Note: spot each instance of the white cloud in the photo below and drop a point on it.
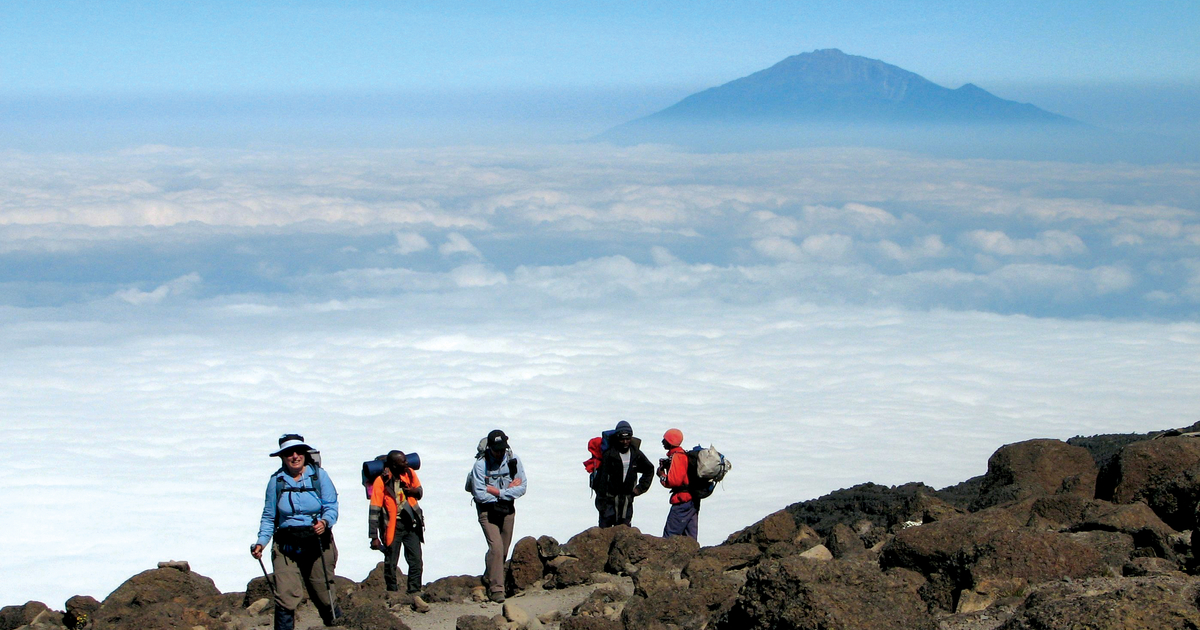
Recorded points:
(778, 248)
(1053, 243)
(830, 247)
(176, 287)
(929, 246)
(410, 242)
(458, 244)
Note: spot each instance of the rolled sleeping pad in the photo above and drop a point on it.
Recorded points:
(414, 460)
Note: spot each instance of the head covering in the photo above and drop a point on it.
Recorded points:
(623, 430)
(288, 441)
(674, 437)
(496, 440)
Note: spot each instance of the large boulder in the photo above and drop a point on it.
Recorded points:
(633, 550)
(678, 607)
(591, 547)
(1162, 472)
(1158, 602)
(371, 614)
(12, 617)
(1036, 468)
(713, 561)
(160, 598)
(455, 588)
(969, 552)
(525, 567)
(80, 610)
(802, 594)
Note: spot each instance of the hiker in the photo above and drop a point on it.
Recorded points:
(497, 480)
(395, 521)
(299, 513)
(620, 465)
(683, 518)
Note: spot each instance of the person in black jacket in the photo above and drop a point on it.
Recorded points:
(615, 484)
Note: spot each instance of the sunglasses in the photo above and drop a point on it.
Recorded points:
(293, 452)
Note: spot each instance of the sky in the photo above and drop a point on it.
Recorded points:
(373, 223)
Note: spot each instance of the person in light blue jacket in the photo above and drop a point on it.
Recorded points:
(497, 481)
(299, 512)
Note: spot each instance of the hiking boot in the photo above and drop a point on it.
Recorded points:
(419, 604)
(496, 596)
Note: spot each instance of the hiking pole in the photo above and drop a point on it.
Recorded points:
(325, 572)
(268, 578)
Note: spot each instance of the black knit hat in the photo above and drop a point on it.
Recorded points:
(496, 440)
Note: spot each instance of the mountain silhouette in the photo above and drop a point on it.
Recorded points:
(827, 86)
(827, 98)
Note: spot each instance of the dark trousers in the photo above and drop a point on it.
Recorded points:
(410, 541)
(683, 520)
(615, 509)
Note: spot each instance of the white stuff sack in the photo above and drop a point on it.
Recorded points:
(711, 465)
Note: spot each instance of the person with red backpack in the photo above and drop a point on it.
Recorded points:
(620, 465)
(684, 516)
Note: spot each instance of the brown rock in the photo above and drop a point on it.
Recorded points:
(1161, 472)
(591, 623)
(1138, 567)
(677, 608)
(591, 547)
(844, 542)
(12, 617)
(548, 548)
(256, 589)
(1161, 603)
(525, 567)
(160, 598)
(80, 610)
(1114, 548)
(777, 527)
(960, 553)
(608, 596)
(456, 588)
(802, 594)
(371, 614)
(631, 548)
(565, 571)
(475, 622)
(1036, 468)
(374, 581)
(713, 561)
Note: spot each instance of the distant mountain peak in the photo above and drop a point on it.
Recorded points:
(829, 86)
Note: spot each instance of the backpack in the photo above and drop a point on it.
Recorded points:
(372, 468)
(706, 468)
(597, 447)
(469, 486)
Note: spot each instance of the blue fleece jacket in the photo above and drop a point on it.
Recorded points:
(484, 475)
(297, 509)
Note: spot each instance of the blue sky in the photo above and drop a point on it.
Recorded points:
(221, 47)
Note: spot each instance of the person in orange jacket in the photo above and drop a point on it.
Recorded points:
(395, 521)
(684, 517)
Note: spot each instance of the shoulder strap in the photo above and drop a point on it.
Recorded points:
(512, 467)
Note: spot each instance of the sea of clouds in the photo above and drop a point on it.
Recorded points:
(825, 317)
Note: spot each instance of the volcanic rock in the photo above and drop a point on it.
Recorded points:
(160, 598)
(456, 588)
(1165, 473)
(525, 567)
(591, 547)
(961, 553)
(630, 547)
(807, 595)
(12, 617)
(80, 610)
(1036, 468)
(1160, 602)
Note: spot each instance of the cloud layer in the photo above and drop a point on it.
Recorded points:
(824, 317)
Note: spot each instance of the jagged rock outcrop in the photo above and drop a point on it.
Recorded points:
(1160, 602)
(631, 548)
(811, 595)
(1165, 473)
(969, 552)
(455, 588)
(30, 614)
(162, 598)
(1036, 468)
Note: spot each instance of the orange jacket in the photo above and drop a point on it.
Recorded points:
(677, 476)
(385, 502)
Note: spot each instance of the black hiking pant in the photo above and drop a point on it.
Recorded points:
(615, 509)
(410, 541)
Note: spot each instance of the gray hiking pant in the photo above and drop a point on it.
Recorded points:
(297, 568)
(498, 531)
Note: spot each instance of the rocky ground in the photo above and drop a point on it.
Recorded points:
(1091, 533)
